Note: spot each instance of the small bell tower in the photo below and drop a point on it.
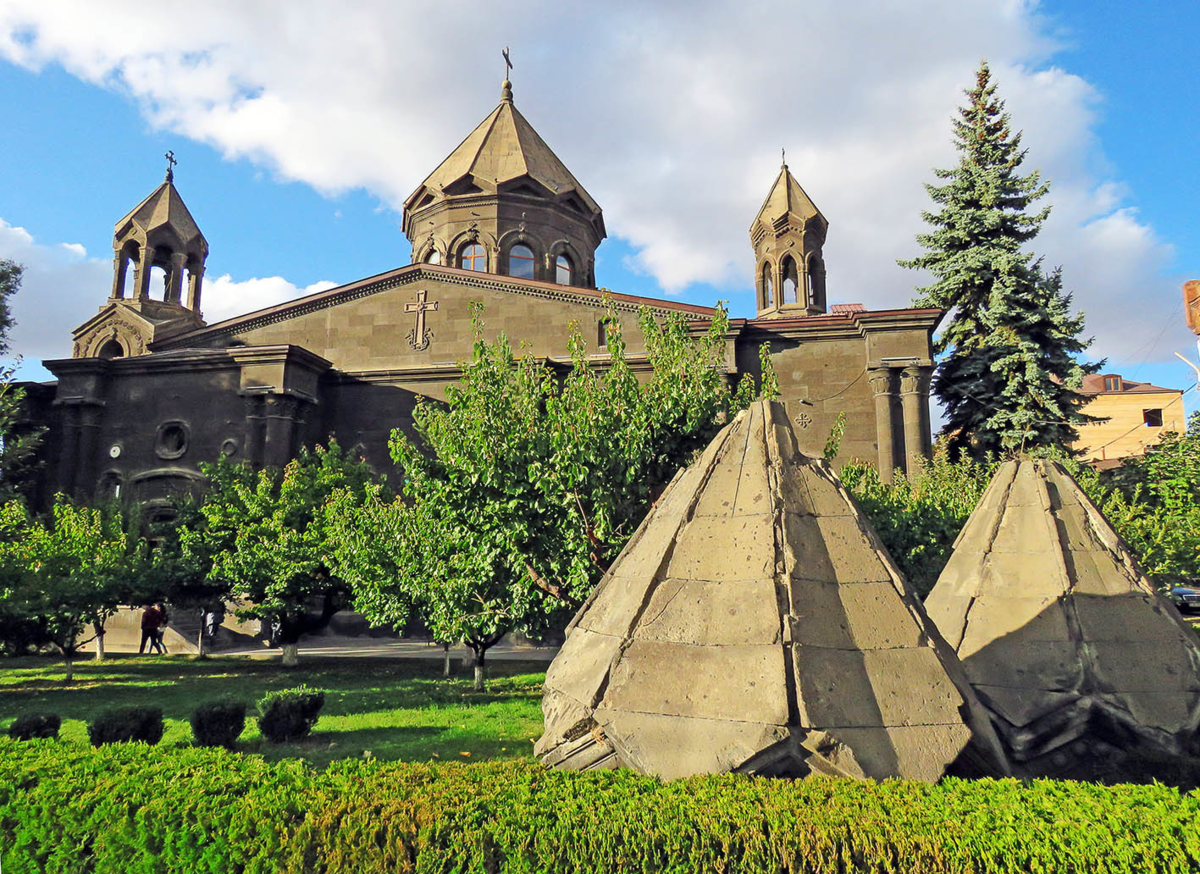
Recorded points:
(788, 235)
(158, 234)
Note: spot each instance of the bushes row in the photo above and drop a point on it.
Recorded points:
(69, 808)
(285, 715)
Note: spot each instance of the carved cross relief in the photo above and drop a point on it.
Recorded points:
(419, 336)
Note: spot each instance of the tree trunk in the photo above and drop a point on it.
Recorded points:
(291, 655)
(446, 661)
(99, 626)
(200, 638)
(479, 669)
(70, 667)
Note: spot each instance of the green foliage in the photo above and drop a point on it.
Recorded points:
(122, 809)
(1153, 501)
(265, 538)
(834, 444)
(218, 723)
(289, 714)
(1008, 371)
(127, 725)
(17, 444)
(29, 726)
(61, 575)
(918, 520)
(527, 483)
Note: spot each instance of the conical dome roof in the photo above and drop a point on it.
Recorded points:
(163, 211)
(785, 200)
(754, 623)
(503, 149)
(1062, 637)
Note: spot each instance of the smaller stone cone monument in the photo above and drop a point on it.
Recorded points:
(1064, 640)
(754, 624)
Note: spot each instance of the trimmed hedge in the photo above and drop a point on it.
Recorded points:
(126, 725)
(289, 714)
(133, 808)
(29, 726)
(218, 723)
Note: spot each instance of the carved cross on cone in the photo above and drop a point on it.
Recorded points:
(419, 337)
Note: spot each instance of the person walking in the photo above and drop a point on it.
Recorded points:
(163, 619)
(151, 620)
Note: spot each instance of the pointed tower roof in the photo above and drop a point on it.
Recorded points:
(787, 199)
(504, 149)
(1062, 637)
(755, 624)
(161, 212)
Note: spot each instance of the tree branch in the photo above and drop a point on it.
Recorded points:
(549, 588)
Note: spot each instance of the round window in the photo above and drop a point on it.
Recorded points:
(172, 440)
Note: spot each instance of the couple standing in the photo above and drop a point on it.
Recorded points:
(154, 622)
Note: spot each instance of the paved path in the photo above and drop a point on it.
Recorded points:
(402, 649)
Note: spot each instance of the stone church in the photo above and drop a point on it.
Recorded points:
(151, 389)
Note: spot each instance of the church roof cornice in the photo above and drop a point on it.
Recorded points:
(415, 273)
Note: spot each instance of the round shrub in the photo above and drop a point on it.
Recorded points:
(126, 724)
(218, 723)
(28, 726)
(289, 714)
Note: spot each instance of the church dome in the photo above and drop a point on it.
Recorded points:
(504, 188)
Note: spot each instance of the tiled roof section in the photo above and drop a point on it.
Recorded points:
(841, 308)
(504, 147)
(163, 207)
(1094, 384)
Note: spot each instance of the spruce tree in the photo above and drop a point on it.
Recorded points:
(1007, 374)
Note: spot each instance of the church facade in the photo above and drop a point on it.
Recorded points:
(151, 390)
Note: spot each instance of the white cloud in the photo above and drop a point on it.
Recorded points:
(223, 297)
(62, 288)
(672, 114)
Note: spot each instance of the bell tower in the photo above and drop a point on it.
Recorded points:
(158, 237)
(788, 235)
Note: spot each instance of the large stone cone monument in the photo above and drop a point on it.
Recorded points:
(1062, 637)
(754, 624)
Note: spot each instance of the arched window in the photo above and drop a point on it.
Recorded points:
(434, 257)
(563, 270)
(111, 349)
(472, 257)
(520, 262)
(791, 281)
(768, 300)
(808, 284)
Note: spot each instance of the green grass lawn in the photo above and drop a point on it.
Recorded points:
(393, 709)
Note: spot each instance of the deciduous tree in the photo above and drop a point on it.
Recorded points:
(266, 535)
(527, 482)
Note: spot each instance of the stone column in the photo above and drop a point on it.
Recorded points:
(145, 262)
(283, 415)
(914, 396)
(252, 443)
(195, 279)
(120, 260)
(881, 385)
(175, 280)
(90, 419)
(81, 420)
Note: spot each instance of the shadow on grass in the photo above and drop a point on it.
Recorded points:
(396, 708)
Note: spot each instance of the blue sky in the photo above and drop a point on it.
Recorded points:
(298, 134)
